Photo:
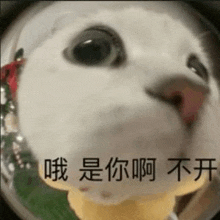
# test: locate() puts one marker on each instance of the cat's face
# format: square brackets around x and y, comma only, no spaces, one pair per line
[73,110]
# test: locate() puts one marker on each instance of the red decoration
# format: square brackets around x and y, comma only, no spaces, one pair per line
[9,75]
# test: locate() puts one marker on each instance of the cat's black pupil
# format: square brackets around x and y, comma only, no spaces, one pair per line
[92,52]
[194,63]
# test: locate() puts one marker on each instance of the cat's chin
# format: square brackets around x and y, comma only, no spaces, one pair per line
[115,200]
[120,199]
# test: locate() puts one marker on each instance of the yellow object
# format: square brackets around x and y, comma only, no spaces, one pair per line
[151,207]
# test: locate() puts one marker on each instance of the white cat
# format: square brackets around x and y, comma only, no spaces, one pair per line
[126,83]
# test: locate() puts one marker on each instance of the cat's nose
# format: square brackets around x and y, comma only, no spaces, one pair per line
[185,94]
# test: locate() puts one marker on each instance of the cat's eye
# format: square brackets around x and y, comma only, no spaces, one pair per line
[197,67]
[97,45]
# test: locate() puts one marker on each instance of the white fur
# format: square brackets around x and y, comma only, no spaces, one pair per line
[73,111]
